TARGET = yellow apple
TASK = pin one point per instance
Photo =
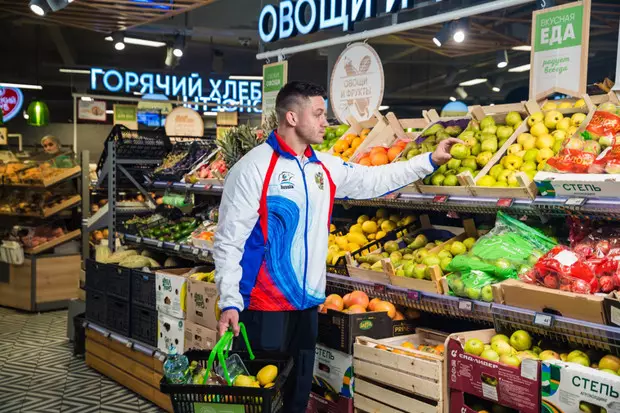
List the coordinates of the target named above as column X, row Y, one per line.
column 571, row 131
column 535, row 118
column 545, row 141
column 541, row 165
column 514, row 148
column 529, row 143
column 539, row 129
column 552, row 118
column 578, row 118
column 580, row 103
column 565, row 105
column 563, row 124
column 523, row 137
column 544, row 154
column 558, row 134
column 549, row 106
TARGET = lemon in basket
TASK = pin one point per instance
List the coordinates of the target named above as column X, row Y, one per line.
column 267, row 375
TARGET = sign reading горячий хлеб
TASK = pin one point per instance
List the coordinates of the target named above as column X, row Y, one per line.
column 559, row 60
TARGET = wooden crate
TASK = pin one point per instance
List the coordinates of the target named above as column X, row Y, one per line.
column 356, row 128
column 391, row 382
column 384, row 133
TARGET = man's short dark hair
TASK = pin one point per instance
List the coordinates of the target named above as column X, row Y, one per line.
column 293, row 94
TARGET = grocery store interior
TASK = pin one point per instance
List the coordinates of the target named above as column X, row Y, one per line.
column 490, row 285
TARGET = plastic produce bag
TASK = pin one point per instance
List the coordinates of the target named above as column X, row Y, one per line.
column 511, row 245
column 472, row 278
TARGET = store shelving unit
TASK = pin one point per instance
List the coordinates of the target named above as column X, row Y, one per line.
column 185, row 251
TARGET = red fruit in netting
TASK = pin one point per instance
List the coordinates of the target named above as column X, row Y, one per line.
column 602, row 248
column 606, row 284
column 551, row 281
column 584, row 250
column 580, row 286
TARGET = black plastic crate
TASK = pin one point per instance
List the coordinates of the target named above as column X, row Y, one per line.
column 96, row 307
column 97, row 275
column 119, row 283
column 190, row 398
column 338, row 330
column 143, row 288
column 118, row 316
column 144, row 324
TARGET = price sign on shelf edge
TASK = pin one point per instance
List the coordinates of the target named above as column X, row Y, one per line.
column 559, row 57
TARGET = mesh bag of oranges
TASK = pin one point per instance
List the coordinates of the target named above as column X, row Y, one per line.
column 381, row 155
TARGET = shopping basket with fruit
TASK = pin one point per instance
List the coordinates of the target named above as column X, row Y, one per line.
column 237, row 381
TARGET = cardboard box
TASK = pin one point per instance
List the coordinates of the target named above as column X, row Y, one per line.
column 198, row 337
column 333, row 371
column 201, row 302
column 170, row 331
column 514, row 387
column 318, row 404
column 464, row 403
column 584, row 307
column 171, row 289
column 578, row 185
column 571, row 388
column 611, row 306
column 338, row 330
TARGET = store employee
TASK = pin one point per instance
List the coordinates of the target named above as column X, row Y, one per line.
column 274, row 217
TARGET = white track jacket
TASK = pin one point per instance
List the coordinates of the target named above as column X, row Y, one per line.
column 271, row 240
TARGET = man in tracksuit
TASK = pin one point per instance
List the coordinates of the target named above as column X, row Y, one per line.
column 274, row 217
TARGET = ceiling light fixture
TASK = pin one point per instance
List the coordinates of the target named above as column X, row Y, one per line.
column 86, row 99
column 213, row 114
column 109, row 112
column 519, row 69
column 139, row 42
column 39, row 7
column 452, row 99
column 75, row 71
column 501, row 59
column 119, row 41
column 458, row 31
column 524, row 48
column 442, row 35
column 473, row 82
column 245, row 77
column 461, row 92
column 179, row 46
column 21, row 86
column 384, row 107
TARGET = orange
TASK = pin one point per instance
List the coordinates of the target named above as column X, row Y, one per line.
column 401, row 143
column 349, row 138
column 439, row 348
column 379, row 159
column 364, row 133
column 356, row 142
column 348, row 152
column 372, row 303
column 365, row 161
column 393, row 152
column 399, row 316
column 378, row 149
column 381, row 347
column 341, row 146
column 387, row 307
column 408, row 344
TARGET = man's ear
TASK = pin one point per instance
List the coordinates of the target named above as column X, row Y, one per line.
column 291, row 118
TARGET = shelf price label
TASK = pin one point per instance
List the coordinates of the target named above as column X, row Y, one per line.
column 505, row 202
column 138, row 240
column 543, row 320
column 177, row 247
column 204, row 254
column 379, row 288
column 195, row 251
column 413, row 295
column 207, row 187
column 465, row 305
column 440, row 199
column 575, row 202
column 160, row 244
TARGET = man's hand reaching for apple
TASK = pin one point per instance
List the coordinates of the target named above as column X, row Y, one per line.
column 442, row 152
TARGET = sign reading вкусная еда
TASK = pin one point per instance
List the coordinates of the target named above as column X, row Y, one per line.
column 559, row 60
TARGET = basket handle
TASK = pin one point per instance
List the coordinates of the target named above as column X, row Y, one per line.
column 221, row 349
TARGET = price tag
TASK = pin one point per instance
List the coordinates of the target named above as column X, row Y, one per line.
column 575, row 201
column 543, row 320
column 138, row 240
column 505, row 202
column 413, row 295
column 440, row 199
column 177, row 247
column 379, row 288
column 207, row 187
column 204, row 254
column 160, row 244
column 195, row 251
column 465, row 305
column 392, row 196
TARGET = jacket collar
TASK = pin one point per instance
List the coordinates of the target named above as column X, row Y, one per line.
column 278, row 145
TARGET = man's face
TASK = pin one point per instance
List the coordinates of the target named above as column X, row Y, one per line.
column 312, row 120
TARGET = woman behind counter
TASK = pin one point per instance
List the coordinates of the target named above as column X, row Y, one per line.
column 58, row 159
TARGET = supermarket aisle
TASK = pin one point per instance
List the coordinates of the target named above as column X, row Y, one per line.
column 38, row 372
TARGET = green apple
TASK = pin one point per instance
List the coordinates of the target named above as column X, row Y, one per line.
column 476, row 149
column 431, row 260
column 483, row 158
column 489, row 145
column 470, row 142
column 609, row 362
column 512, row 162
column 552, row 118
column 521, row 340
column 500, row 337
column 464, row 168
column 408, row 268
column 513, row 118
column 530, row 155
column 470, row 162
column 486, row 122
column 510, row 360
column 457, row 287
column 419, row 271
column 608, row 107
column 504, row 132
column 472, row 292
column 469, row 242
column 584, row 361
column 548, row 355
column 544, row 155
column 490, row 129
column 438, row 179
column 420, row 255
column 576, row 353
column 501, row 347
column 460, row 151
column 486, row 293
column 446, row 254
column 504, row 175
column 535, row 118
column 486, row 180
column 514, row 149
column 444, row 263
column 486, row 136
column 454, row 164
column 563, row 125
column 528, row 166
column 451, row 180
column 490, row 355
column 457, row 248
column 496, row 170
column 474, row 346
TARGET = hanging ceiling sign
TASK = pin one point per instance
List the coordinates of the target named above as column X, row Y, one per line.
column 292, row 18
column 191, row 89
column 559, row 60
column 356, row 85
column 93, row 110
column 11, row 101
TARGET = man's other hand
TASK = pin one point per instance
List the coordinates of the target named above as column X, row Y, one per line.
column 442, row 152
column 229, row 318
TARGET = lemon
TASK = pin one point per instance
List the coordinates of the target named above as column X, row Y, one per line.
column 333, row 248
column 388, row 226
column 267, row 374
column 382, row 213
column 330, row 258
column 331, row 238
column 357, row 238
column 336, row 257
column 409, row 219
column 363, row 219
column 243, row 381
column 371, row 237
column 381, row 221
column 370, row 227
column 394, row 218
column 356, row 228
column 269, row 385
column 380, row 235
column 353, row 247
column 341, row 242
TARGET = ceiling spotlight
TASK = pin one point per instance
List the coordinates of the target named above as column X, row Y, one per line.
column 496, row 85
column 139, row 42
column 179, row 45
column 519, row 69
column 501, row 59
column 119, row 41
column 384, row 107
column 461, row 92
column 171, row 59
column 473, row 82
column 442, row 36
column 39, row 7
column 458, row 31
column 452, row 99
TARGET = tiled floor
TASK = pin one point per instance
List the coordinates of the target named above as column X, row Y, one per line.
column 39, row 374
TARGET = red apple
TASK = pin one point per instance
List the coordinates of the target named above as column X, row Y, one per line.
column 551, row 281
column 607, row 284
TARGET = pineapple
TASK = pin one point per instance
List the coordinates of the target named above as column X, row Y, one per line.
column 229, row 148
column 271, row 122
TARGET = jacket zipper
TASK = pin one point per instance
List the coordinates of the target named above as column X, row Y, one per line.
column 303, row 176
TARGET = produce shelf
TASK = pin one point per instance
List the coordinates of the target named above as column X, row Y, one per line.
column 126, row 341
column 69, row 173
column 48, row 212
column 188, row 252
column 184, row 187
column 53, row 243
